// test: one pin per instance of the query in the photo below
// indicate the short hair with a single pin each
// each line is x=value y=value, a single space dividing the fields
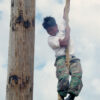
x=49 y=22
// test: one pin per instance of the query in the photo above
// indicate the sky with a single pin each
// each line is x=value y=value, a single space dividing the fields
x=85 y=31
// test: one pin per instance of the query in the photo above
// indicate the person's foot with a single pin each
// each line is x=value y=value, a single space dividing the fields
x=62 y=97
x=70 y=97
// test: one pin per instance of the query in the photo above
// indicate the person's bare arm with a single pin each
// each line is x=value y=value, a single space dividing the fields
x=65 y=41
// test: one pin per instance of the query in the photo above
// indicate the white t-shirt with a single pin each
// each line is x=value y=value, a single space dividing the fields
x=53 y=42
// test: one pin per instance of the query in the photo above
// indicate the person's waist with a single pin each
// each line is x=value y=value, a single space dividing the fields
x=64 y=56
x=62 y=52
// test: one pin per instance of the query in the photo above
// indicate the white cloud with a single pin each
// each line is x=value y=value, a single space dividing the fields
x=1 y=60
x=5 y=7
x=4 y=31
x=4 y=27
x=3 y=77
x=45 y=83
x=96 y=85
x=43 y=6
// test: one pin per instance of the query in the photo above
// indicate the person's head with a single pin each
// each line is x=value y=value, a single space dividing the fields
x=50 y=25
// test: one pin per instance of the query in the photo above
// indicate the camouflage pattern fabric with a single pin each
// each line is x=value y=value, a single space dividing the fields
x=62 y=73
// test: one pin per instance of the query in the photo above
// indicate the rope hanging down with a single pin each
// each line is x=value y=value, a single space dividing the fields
x=67 y=8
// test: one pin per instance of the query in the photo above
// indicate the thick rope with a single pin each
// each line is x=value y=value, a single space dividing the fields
x=67 y=8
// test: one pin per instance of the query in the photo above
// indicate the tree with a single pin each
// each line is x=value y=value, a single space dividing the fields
x=21 y=51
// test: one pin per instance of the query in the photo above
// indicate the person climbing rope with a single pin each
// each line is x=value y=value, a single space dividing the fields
x=58 y=40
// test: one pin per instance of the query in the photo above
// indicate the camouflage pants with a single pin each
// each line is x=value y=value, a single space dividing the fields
x=63 y=72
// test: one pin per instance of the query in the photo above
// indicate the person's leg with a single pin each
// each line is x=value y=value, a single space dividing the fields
x=76 y=77
x=62 y=73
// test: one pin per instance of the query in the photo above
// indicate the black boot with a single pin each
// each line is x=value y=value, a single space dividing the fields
x=62 y=97
x=70 y=97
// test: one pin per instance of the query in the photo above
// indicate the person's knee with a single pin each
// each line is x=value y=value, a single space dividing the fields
x=63 y=86
x=76 y=69
x=78 y=75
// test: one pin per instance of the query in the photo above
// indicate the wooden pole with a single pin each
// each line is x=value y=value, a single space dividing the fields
x=21 y=51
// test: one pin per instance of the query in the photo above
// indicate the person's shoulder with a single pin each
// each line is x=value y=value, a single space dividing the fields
x=50 y=38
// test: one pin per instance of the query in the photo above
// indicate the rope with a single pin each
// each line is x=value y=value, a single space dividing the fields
x=67 y=8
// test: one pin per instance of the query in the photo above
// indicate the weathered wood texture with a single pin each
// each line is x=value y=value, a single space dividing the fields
x=21 y=51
